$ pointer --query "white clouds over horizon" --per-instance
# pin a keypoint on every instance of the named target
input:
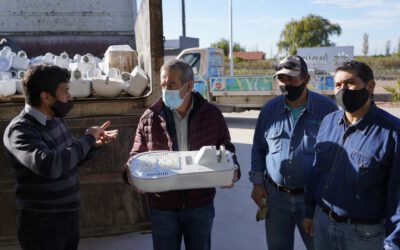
(350, 3)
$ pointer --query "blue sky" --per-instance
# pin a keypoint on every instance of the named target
(257, 24)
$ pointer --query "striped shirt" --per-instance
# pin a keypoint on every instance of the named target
(45, 155)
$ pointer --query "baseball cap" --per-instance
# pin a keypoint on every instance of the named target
(291, 65)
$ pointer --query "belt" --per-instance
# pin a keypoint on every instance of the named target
(289, 190)
(46, 214)
(344, 219)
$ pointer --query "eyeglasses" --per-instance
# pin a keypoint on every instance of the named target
(287, 65)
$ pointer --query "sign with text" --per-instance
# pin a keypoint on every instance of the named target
(326, 58)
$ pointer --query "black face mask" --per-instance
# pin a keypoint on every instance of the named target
(61, 109)
(352, 100)
(292, 93)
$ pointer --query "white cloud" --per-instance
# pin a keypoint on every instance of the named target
(350, 3)
(383, 17)
(387, 12)
(367, 23)
(382, 14)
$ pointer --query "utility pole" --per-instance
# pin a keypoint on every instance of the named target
(231, 39)
(183, 19)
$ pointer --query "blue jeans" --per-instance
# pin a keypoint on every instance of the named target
(193, 224)
(331, 235)
(285, 211)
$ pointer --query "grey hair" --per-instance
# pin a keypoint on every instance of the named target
(186, 70)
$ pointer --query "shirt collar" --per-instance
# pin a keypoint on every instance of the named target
(309, 104)
(175, 112)
(362, 124)
(39, 116)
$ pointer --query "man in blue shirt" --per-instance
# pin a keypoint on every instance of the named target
(283, 152)
(354, 191)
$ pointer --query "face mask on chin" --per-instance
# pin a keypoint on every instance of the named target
(61, 109)
(292, 93)
(172, 98)
(352, 100)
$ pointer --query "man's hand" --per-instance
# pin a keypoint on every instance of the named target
(308, 226)
(104, 137)
(133, 185)
(235, 179)
(130, 181)
(258, 194)
(95, 131)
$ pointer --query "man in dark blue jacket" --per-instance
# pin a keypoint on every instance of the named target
(355, 188)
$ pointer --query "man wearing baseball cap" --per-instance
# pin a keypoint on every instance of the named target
(283, 152)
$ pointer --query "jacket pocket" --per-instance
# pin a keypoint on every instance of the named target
(274, 140)
(323, 153)
(366, 171)
(309, 139)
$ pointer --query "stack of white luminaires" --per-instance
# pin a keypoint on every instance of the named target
(62, 60)
(5, 59)
(79, 85)
(135, 82)
(18, 79)
(87, 73)
(110, 85)
(20, 61)
(7, 84)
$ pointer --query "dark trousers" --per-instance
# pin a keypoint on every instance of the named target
(193, 224)
(46, 231)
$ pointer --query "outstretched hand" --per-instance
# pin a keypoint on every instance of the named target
(106, 136)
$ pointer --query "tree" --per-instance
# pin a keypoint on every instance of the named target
(395, 91)
(309, 31)
(224, 44)
(398, 47)
(365, 45)
(388, 45)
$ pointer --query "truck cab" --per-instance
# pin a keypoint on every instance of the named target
(206, 63)
(238, 93)
(230, 93)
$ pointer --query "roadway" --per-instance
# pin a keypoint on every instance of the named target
(235, 227)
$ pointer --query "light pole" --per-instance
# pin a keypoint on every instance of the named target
(183, 18)
(231, 39)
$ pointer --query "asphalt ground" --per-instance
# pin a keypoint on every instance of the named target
(235, 227)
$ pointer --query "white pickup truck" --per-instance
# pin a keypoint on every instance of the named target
(237, 93)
